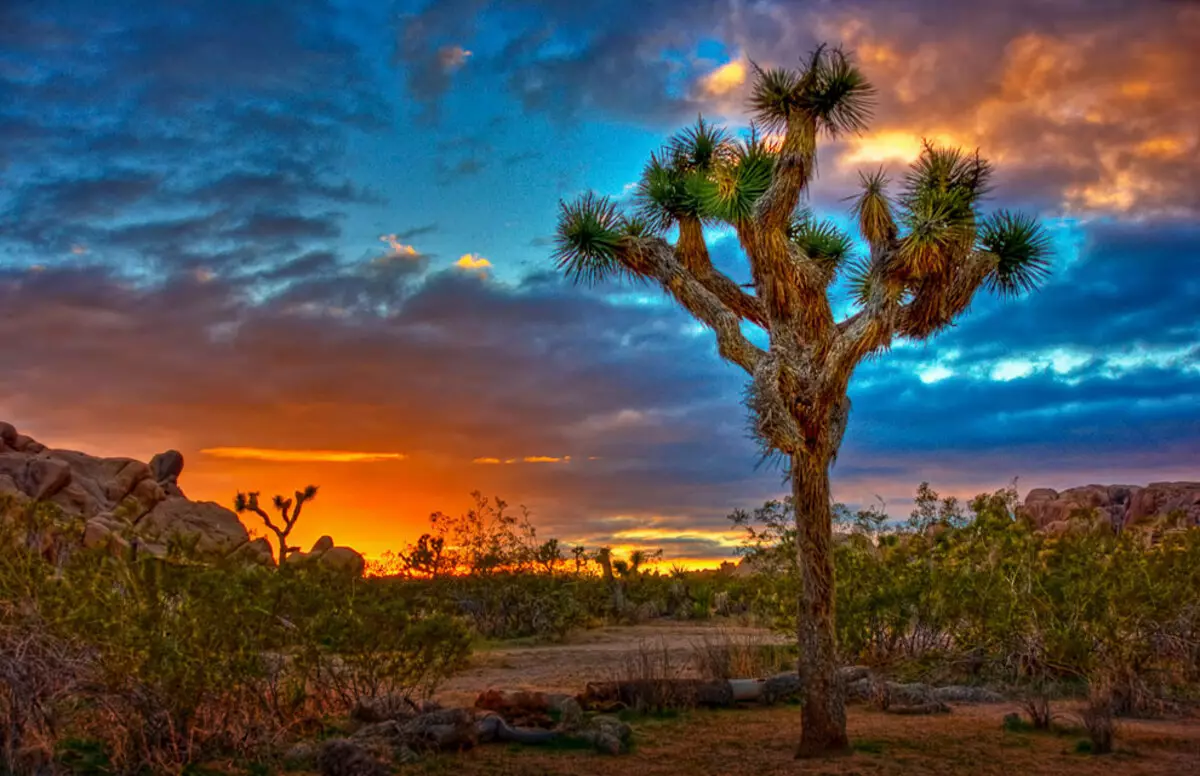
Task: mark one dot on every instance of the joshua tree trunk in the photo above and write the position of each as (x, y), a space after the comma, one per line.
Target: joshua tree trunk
(930, 249)
(824, 713)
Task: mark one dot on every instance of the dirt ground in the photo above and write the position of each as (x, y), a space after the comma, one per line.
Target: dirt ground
(585, 656)
(970, 740)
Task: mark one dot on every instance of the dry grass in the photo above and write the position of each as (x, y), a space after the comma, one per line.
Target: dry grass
(726, 654)
(761, 741)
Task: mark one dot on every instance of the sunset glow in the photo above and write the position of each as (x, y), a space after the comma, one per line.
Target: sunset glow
(300, 456)
(315, 243)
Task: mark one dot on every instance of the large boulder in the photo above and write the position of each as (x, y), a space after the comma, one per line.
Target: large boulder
(8, 435)
(167, 466)
(1118, 506)
(215, 529)
(345, 560)
(1160, 499)
(45, 477)
(255, 552)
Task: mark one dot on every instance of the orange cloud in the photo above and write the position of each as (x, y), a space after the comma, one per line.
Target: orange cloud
(487, 460)
(546, 459)
(300, 456)
(399, 249)
(891, 146)
(472, 261)
(725, 79)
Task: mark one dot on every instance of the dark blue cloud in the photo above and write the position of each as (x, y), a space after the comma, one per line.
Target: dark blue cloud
(201, 187)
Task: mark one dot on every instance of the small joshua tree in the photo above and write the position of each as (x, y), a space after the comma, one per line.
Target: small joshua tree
(929, 250)
(289, 513)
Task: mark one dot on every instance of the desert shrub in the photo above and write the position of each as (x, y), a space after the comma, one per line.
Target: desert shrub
(1097, 719)
(158, 663)
(975, 593)
(724, 655)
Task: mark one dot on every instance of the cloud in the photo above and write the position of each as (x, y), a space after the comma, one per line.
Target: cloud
(471, 261)
(725, 80)
(222, 299)
(242, 120)
(452, 57)
(399, 249)
(300, 456)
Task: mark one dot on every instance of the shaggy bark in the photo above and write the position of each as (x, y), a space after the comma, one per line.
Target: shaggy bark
(824, 711)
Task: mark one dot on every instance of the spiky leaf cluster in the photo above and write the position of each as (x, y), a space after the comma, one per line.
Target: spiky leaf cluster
(821, 241)
(731, 190)
(829, 91)
(590, 230)
(1022, 250)
(939, 208)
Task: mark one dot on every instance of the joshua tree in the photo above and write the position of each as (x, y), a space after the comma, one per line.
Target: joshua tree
(929, 250)
(248, 502)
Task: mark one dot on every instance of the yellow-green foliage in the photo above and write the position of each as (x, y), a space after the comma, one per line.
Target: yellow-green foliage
(163, 662)
(984, 592)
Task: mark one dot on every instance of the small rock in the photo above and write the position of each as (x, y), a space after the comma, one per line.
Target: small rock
(570, 715)
(964, 694)
(300, 754)
(342, 757)
(96, 534)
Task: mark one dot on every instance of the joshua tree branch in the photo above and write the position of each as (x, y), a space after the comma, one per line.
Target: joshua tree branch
(935, 305)
(938, 301)
(793, 168)
(693, 254)
(653, 257)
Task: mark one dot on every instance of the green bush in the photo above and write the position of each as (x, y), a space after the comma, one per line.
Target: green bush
(158, 663)
(979, 594)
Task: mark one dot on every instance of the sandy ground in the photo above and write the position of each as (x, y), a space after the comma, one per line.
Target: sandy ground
(586, 656)
(969, 741)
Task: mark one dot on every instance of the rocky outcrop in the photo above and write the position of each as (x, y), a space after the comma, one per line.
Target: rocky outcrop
(1115, 506)
(327, 555)
(122, 501)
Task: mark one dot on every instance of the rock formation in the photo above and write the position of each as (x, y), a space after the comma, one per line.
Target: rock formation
(122, 501)
(325, 554)
(1119, 506)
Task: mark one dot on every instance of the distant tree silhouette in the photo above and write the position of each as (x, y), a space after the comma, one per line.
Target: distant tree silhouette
(289, 513)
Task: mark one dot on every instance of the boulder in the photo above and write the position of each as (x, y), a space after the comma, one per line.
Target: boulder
(8, 435)
(26, 445)
(324, 544)
(96, 534)
(216, 529)
(45, 477)
(80, 498)
(255, 552)
(1164, 499)
(9, 487)
(343, 559)
(167, 466)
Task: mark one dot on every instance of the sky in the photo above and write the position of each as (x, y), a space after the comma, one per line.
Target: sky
(308, 241)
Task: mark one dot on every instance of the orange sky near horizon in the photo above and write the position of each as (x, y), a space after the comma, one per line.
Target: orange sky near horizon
(400, 382)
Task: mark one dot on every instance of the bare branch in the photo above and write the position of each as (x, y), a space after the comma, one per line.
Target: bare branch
(654, 257)
(936, 303)
(693, 254)
(793, 168)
